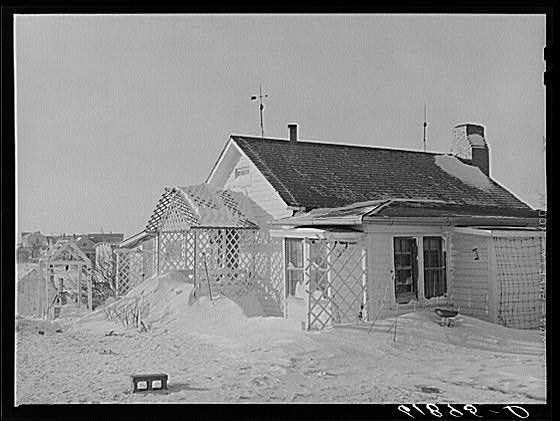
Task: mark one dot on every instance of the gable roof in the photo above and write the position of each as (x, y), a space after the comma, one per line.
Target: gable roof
(200, 205)
(56, 251)
(327, 175)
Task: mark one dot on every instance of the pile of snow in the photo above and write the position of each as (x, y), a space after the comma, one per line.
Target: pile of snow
(468, 174)
(170, 302)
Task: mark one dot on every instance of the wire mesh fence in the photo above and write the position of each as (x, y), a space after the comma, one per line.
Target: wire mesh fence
(519, 275)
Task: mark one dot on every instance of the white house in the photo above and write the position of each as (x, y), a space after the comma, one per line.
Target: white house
(364, 228)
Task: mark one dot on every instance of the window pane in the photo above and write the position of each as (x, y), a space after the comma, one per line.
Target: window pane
(434, 267)
(404, 277)
(405, 244)
(292, 278)
(294, 252)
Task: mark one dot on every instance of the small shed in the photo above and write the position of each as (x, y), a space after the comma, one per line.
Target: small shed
(31, 290)
(69, 271)
(499, 275)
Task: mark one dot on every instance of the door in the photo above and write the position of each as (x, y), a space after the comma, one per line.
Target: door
(406, 270)
(435, 282)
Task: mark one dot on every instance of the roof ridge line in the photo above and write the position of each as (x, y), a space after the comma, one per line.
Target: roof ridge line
(334, 143)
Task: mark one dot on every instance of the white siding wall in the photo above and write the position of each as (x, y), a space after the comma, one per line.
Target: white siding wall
(381, 285)
(470, 275)
(257, 188)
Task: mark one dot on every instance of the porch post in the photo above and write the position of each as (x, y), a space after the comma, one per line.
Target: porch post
(195, 234)
(306, 278)
(420, 260)
(90, 288)
(364, 282)
(79, 286)
(284, 279)
(117, 272)
(157, 254)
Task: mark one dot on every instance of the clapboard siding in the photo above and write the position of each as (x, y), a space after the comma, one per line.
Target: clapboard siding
(258, 189)
(470, 275)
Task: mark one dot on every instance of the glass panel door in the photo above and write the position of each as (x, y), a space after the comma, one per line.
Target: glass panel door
(405, 254)
(435, 282)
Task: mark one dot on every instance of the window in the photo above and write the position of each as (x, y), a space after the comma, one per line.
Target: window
(240, 172)
(294, 265)
(405, 251)
(242, 177)
(435, 282)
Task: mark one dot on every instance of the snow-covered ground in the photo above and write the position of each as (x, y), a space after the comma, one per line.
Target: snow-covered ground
(213, 352)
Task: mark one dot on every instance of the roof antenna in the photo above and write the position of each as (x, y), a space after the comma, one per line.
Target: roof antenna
(261, 106)
(425, 127)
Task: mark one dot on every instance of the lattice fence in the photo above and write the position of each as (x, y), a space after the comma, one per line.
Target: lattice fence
(336, 273)
(268, 269)
(149, 258)
(129, 269)
(520, 261)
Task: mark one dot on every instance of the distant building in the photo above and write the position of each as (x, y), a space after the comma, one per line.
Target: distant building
(34, 244)
(87, 242)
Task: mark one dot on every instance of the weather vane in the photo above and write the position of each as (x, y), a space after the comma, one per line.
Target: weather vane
(261, 106)
(425, 126)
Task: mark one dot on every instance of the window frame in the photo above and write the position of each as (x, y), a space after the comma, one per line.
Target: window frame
(434, 289)
(291, 269)
(412, 267)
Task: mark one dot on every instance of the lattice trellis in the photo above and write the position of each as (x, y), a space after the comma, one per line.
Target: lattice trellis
(233, 262)
(336, 281)
(268, 269)
(224, 258)
(176, 251)
(129, 269)
(172, 213)
(149, 258)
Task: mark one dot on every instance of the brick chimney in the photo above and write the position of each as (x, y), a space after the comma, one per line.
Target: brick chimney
(292, 128)
(470, 145)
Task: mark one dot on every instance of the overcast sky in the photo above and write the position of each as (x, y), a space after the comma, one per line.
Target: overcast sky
(111, 109)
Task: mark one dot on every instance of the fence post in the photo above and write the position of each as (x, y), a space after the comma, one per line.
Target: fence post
(364, 282)
(90, 287)
(306, 278)
(117, 272)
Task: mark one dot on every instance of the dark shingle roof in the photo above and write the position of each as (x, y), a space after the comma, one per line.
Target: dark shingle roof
(320, 175)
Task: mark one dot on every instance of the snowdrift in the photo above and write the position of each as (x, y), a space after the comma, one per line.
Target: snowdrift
(171, 303)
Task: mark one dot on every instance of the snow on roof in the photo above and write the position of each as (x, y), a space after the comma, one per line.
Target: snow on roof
(202, 205)
(468, 174)
(55, 251)
(476, 140)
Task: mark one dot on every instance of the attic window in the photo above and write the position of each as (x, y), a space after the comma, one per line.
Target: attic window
(240, 172)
